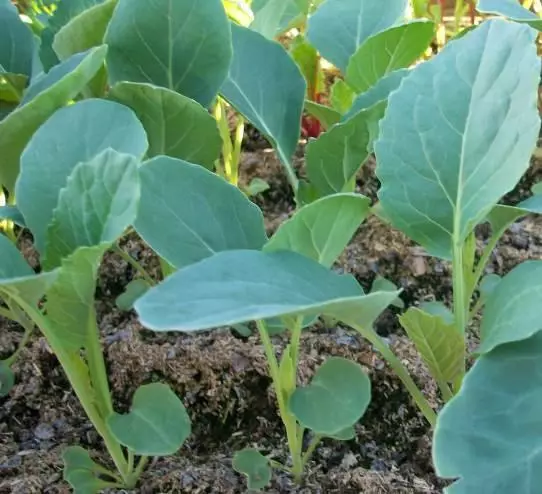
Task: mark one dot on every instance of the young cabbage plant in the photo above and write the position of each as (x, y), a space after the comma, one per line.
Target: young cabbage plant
(229, 273)
(76, 212)
(455, 139)
(373, 59)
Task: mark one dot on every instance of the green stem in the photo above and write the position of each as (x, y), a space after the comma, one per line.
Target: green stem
(236, 152)
(138, 267)
(140, 467)
(461, 306)
(76, 372)
(486, 254)
(401, 372)
(477, 306)
(315, 441)
(295, 442)
(458, 14)
(131, 458)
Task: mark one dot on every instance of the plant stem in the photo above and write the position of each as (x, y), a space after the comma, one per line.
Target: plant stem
(401, 372)
(138, 267)
(458, 14)
(461, 306)
(236, 152)
(140, 467)
(295, 442)
(77, 374)
(15, 313)
(315, 441)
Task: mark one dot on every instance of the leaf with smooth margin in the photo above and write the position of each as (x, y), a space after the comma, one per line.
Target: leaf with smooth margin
(100, 195)
(488, 284)
(200, 213)
(333, 160)
(440, 345)
(72, 135)
(511, 9)
(339, 27)
(307, 59)
(395, 48)
(255, 466)
(467, 143)
(324, 114)
(16, 42)
(272, 17)
(336, 398)
(321, 230)
(341, 95)
(12, 213)
(488, 434)
(17, 278)
(81, 472)
(513, 311)
(176, 126)
(272, 104)
(133, 290)
(84, 31)
(19, 126)
(183, 46)
(157, 424)
(438, 309)
(65, 11)
(381, 284)
(233, 287)
(70, 300)
(379, 92)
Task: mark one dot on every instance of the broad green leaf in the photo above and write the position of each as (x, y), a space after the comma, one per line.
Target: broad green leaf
(187, 213)
(7, 379)
(438, 309)
(16, 42)
(19, 126)
(184, 45)
(511, 9)
(501, 217)
(381, 284)
(17, 279)
(100, 199)
(157, 424)
(272, 17)
(488, 284)
(513, 311)
(392, 49)
(379, 92)
(321, 230)
(82, 221)
(176, 126)
(82, 473)
(536, 189)
(256, 186)
(84, 31)
(335, 399)
(440, 345)
(238, 286)
(458, 147)
(339, 27)
(72, 135)
(488, 436)
(342, 96)
(65, 11)
(255, 466)
(326, 116)
(346, 434)
(334, 159)
(272, 104)
(135, 289)
(12, 213)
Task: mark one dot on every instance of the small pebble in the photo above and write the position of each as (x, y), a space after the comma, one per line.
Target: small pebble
(44, 432)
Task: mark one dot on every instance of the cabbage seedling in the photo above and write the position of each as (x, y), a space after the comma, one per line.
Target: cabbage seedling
(76, 211)
(230, 273)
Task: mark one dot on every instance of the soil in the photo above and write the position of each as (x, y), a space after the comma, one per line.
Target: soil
(223, 380)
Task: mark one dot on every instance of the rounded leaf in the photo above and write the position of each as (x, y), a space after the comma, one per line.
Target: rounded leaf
(255, 466)
(7, 379)
(157, 424)
(335, 400)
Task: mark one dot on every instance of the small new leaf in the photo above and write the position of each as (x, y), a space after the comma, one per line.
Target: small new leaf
(157, 424)
(82, 473)
(335, 400)
(251, 463)
(134, 290)
(7, 379)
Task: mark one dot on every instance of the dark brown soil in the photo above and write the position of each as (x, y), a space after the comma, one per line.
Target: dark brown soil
(223, 380)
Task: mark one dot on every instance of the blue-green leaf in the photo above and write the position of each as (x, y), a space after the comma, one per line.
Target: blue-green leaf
(188, 213)
(16, 42)
(511, 9)
(184, 45)
(339, 27)
(271, 103)
(72, 135)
